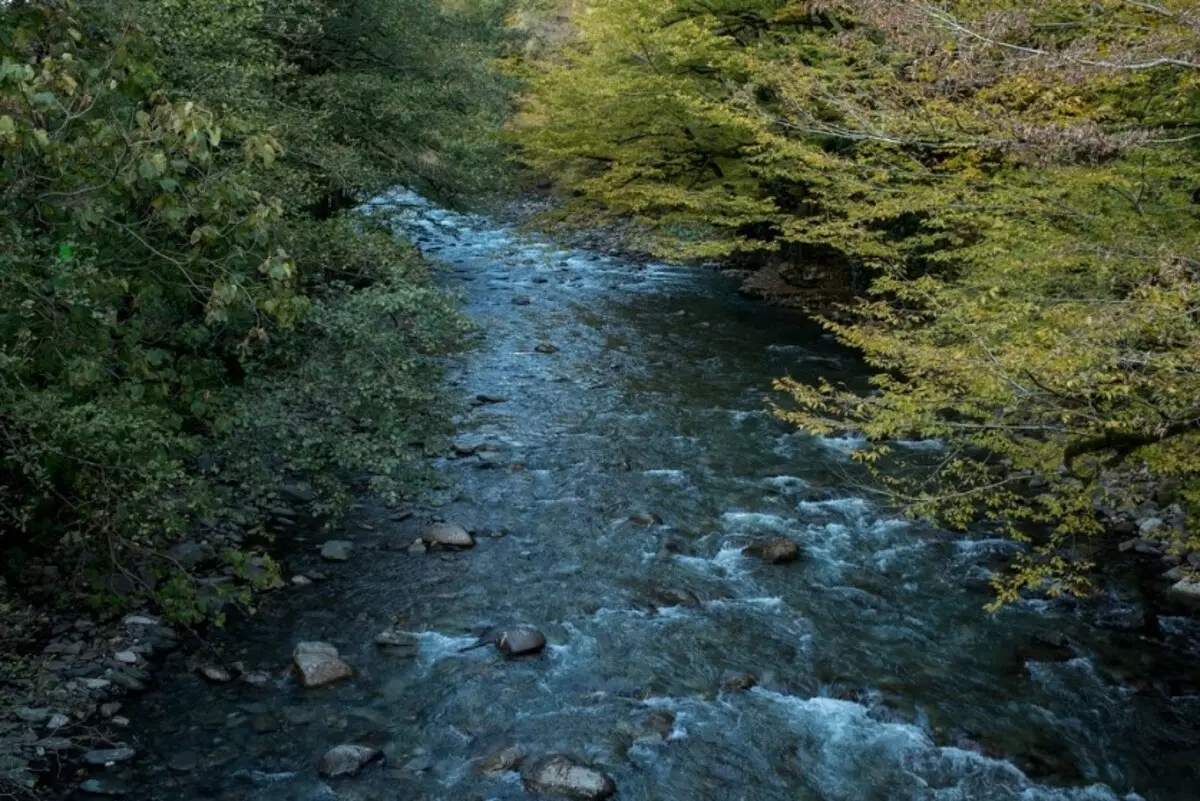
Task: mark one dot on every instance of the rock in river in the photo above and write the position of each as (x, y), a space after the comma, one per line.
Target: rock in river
(448, 535)
(346, 760)
(109, 756)
(1185, 591)
(520, 640)
(337, 550)
(563, 776)
(318, 664)
(503, 761)
(776, 551)
(546, 347)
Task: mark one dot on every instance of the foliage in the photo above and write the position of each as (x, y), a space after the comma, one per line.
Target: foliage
(1020, 180)
(173, 185)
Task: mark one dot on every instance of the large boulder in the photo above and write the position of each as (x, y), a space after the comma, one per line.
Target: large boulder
(562, 776)
(448, 535)
(346, 760)
(317, 664)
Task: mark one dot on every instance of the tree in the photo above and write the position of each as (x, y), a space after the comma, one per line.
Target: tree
(1018, 180)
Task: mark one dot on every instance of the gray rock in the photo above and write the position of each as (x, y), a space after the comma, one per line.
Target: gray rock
(318, 664)
(215, 674)
(33, 714)
(1177, 573)
(141, 620)
(126, 657)
(103, 787)
(109, 756)
(1186, 591)
(110, 709)
(564, 776)
(58, 721)
(418, 547)
(520, 641)
(448, 535)
(502, 761)
(675, 596)
(1150, 524)
(126, 681)
(337, 550)
(346, 760)
(97, 684)
(396, 639)
(545, 347)
(777, 551)
(1193, 559)
(485, 397)
(301, 581)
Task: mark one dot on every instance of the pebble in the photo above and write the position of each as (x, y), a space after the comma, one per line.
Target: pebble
(215, 674)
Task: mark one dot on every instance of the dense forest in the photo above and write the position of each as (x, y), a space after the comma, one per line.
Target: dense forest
(1011, 190)
(190, 321)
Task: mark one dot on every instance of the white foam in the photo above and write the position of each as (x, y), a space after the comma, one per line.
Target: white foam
(843, 445)
(742, 521)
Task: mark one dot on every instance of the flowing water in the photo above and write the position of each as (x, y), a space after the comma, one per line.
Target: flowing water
(879, 674)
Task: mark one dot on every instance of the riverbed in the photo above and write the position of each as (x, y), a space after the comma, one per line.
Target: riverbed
(614, 475)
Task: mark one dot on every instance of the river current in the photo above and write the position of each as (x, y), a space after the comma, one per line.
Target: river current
(626, 469)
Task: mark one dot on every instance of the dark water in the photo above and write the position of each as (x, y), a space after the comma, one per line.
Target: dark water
(879, 675)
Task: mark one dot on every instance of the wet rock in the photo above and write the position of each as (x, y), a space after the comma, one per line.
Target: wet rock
(564, 776)
(675, 596)
(545, 347)
(103, 787)
(337, 550)
(486, 398)
(645, 519)
(109, 756)
(1185, 591)
(1193, 560)
(215, 674)
(400, 515)
(540, 279)
(418, 547)
(520, 641)
(777, 551)
(256, 678)
(503, 761)
(301, 581)
(398, 642)
(463, 449)
(126, 657)
(521, 300)
(739, 682)
(318, 664)
(449, 535)
(58, 721)
(346, 760)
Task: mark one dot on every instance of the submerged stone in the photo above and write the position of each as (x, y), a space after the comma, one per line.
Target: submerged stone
(346, 760)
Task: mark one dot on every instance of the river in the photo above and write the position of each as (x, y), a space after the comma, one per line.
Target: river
(879, 675)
